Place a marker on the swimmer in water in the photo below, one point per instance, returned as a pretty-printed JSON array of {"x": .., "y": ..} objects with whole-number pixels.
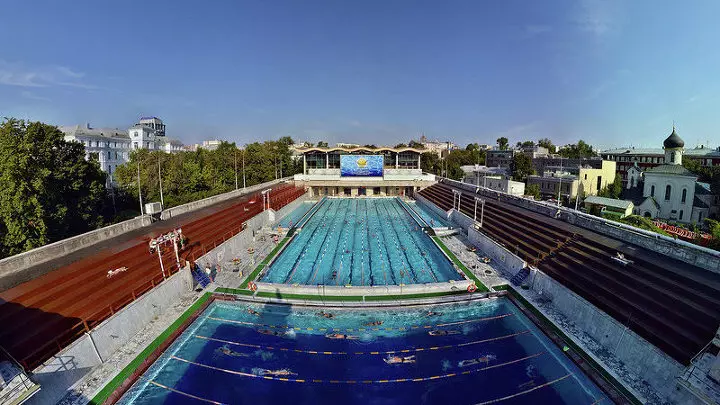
[
  {"x": 373, "y": 323},
  {"x": 341, "y": 336},
  {"x": 281, "y": 372},
  {"x": 253, "y": 312},
  {"x": 443, "y": 332},
  {"x": 324, "y": 314},
  {"x": 229, "y": 352},
  {"x": 272, "y": 332},
  {"x": 433, "y": 313},
  {"x": 471, "y": 362},
  {"x": 399, "y": 359}
]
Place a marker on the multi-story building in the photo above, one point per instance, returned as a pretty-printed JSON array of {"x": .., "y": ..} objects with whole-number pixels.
[
  {"x": 155, "y": 123},
  {"x": 499, "y": 158},
  {"x": 438, "y": 147},
  {"x": 110, "y": 145},
  {"x": 646, "y": 158},
  {"x": 365, "y": 171},
  {"x": 572, "y": 182},
  {"x": 494, "y": 178}
]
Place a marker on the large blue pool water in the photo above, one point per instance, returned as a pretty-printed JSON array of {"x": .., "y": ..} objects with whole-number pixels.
[
  {"x": 492, "y": 354},
  {"x": 293, "y": 217},
  {"x": 429, "y": 217},
  {"x": 361, "y": 242}
]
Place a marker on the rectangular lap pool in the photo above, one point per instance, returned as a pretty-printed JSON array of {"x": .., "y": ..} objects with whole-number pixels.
[
  {"x": 360, "y": 242},
  {"x": 478, "y": 352}
]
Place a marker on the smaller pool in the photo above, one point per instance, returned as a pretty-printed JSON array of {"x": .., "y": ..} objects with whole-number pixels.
[
  {"x": 296, "y": 214},
  {"x": 429, "y": 216}
]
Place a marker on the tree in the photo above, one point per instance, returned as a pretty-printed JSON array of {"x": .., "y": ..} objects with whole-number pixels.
[
  {"x": 714, "y": 230},
  {"x": 308, "y": 144},
  {"x": 372, "y": 146},
  {"x": 502, "y": 143},
  {"x": 525, "y": 144},
  {"x": 579, "y": 150},
  {"x": 322, "y": 144},
  {"x": 49, "y": 191},
  {"x": 612, "y": 190},
  {"x": 521, "y": 167},
  {"x": 533, "y": 190},
  {"x": 415, "y": 144},
  {"x": 400, "y": 145},
  {"x": 547, "y": 143},
  {"x": 430, "y": 162}
]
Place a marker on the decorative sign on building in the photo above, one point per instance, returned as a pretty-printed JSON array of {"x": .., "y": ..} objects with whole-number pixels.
[{"x": 361, "y": 165}]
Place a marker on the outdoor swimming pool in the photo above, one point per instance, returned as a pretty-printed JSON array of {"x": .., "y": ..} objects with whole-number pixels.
[
  {"x": 293, "y": 217},
  {"x": 360, "y": 242},
  {"x": 489, "y": 352},
  {"x": 430, "y": 218}
]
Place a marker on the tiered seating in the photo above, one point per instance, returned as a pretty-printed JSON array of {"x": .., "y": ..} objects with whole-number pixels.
[
  {"x": 670, "y": 303},
  {"x": 45, "y": 314}
]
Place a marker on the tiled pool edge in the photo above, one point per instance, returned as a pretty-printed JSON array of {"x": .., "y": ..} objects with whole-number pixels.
[
  {"x": 115, "y": 388},
  {"x": 606, "y": 381}
]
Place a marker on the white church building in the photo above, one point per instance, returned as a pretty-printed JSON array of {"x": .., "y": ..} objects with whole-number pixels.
[{"x": 670, "y": 191}]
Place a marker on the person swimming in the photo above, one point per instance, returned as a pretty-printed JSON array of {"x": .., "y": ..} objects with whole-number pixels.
[
  {"x": 443, "y": 332},
  {"x": 272, "y": 332},
  {"x": 399, "y": 359},
  {"x": 324, "y": 314},
  {"x": 472, "y": 362},
  {"x": 281, "y": 372},
  {"x": 341, "y": 336},
  {"x": 373, "y": 323},
  {"x": 433, "y": 313},
  {"x": 253, "y": 312},
  {"x": 229, "y": 352}
]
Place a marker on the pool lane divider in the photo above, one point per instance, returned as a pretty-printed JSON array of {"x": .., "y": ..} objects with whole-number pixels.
[
  {"x": 122, "y": 382},
  {"x": 342, "y": 298},
  {"x": 517, "y": 394},
  {"x": 374, "y": 353},
  {"x": 384, "y": 381},
  {"x": 404, "y": 328},
  {"x": 469, "y": 274},
  {"x": 418, "y": 219}
]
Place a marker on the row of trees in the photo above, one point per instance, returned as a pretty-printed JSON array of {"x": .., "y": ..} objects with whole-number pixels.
[
  {"x": 578, "y": 150},
  {"x": 190, "y": 176}
]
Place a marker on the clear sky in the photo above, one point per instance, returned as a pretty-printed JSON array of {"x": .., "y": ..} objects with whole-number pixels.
[{"x": 614, "y": 73}]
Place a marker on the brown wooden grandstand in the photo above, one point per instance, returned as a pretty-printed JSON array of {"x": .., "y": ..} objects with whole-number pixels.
[
  {"x": 670, "y": 303},
  {"x": 43, "y": 315}
]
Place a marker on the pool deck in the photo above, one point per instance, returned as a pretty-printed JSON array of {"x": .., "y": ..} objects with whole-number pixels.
[{"x": 234, "y": 284}]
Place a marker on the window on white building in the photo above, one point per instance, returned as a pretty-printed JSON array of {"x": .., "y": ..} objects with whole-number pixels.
[
  {"x": 652, "y": 191},
  {"x": 668, "y": 190},
  {"x": 672, "y": 157},
  {"x": 681, "y": 215},
  {"x": 684, "y": 196}
]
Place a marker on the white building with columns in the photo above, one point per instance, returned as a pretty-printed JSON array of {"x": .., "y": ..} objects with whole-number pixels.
[
  {"x": 112, "y": 145},
  {"x": 670, "y": 191}
]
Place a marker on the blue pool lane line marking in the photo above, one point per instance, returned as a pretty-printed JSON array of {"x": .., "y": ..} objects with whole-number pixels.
[
  {"x": 361, "y": 329},
  {"x": 396, "y": 380},
  {"x": 320, "y": 352},
  {"x": 184, "y": 393},
  {"x": 517, "y": 394}
]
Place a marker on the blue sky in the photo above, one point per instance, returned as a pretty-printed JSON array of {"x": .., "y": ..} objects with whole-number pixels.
[{"x": 371, "y": 71}]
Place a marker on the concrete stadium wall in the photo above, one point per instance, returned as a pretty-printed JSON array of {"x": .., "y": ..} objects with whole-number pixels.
[
  {"x": 637, "y": 354},
  {"x": 687, "y": 252},
  {"x": 62, "y": 371},
  {"x": 237, "y": 245},
  {"x": 462, "y": 220},
  {"x": 12, "y": 269},
  {"x": 194, "y": 205},
  {"x": 432, "y": 207},
  {"x": 496, "y": 251}
]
